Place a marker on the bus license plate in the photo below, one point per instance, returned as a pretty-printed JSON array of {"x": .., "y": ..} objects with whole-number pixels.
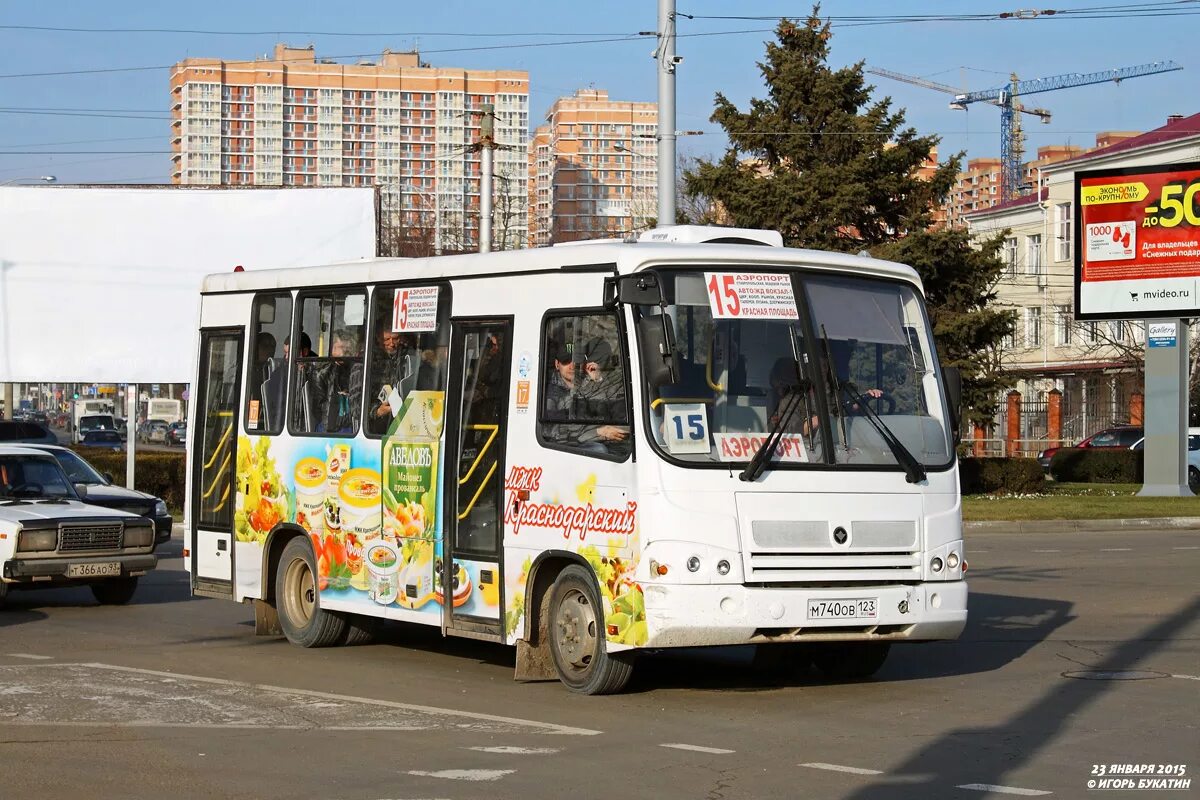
[
  {"x": 852, "y": 608},
  {"x": 103, "y": 569}
]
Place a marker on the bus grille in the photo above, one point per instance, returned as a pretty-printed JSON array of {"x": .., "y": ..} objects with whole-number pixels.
[
  {"x": 77, "y": 538},
  {"x": 805, "y": 552}
]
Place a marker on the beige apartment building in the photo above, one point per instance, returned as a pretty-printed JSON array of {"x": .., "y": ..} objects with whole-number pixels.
[
  {"x": 291, "y": 119},
  {"x": 1096, "y": 365},
  {"x": 593, "y": 169}
]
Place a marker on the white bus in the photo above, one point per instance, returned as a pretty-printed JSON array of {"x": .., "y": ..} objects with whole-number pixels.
[
  {"x": 163, "y": 409},
  {"x": 582, "y": 451}
]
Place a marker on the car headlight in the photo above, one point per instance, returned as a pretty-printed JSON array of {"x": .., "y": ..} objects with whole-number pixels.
[
  {"x": 42, "y": 540},
  {"x": 139, "y": 536},
  {"x": 160, "y": 509}
]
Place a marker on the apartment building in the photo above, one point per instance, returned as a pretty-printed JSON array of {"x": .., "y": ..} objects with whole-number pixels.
[
  {"x": 291, "y": 119},
  {"x": 1096, "y": 365},
  {"x": 593, "y": 169}
]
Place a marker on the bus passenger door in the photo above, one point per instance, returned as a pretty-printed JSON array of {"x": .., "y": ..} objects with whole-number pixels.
[
  {"x": 471, "y": 569},
  {"x": 214, "y": 456}
]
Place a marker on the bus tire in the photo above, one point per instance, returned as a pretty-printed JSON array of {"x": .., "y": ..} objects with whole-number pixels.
[
  {"x": 576, "y": 633},
  {"x": 850, "y": 660},
  {"x": 301, "y": 617},
  {"x": 114, "y": 592},
  {"x": 359, "y": 629}
]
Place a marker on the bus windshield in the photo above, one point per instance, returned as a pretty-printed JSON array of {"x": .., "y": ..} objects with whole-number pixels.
[{"x": 839, "y": 365}]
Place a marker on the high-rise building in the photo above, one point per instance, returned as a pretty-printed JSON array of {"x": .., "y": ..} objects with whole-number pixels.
[
  {"x": 593, "y": 169},
  {"x": 397, "y": 123}
]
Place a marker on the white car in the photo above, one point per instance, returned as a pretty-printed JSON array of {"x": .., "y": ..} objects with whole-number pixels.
[
  {"x": 1193, "y": 456},
  {"x": 50, "y": 537}
]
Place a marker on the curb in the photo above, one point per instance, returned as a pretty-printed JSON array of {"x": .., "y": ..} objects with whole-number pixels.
[{"x": 1082, "y": 525}]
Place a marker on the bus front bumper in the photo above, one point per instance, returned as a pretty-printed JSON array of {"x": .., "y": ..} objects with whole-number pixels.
[{"x": 681, "y": 615}]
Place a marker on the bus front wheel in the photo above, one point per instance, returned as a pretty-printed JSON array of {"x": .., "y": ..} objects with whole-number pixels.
[
  {"x": 850, "y": 660},
  {"x": 576, "y": 634},
  {"x": 300, "y": 614}
]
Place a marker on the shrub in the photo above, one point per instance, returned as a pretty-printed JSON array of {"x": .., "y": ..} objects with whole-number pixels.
[
  {"x": 1097, "y": 465},
  {"x": 1007, "y": 475},
  {"x": 159, "y": 474}
]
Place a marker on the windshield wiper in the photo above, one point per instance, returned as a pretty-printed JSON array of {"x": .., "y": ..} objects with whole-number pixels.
[
  {"x": 913, "y": 471},
  {"x": 766, "y": 451}
]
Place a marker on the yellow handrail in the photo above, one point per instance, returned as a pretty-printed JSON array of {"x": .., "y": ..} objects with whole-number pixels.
[
  {"x": 216, "y": 478},
  {"x": 659, "y": 401},
  {"x": 478, "y": 492},
  {"x": 495, "y": 429},
  {"x": 219, "y": 447},
  {"x": 224, "y": 500},
  {"x": 708, "y": 376}
]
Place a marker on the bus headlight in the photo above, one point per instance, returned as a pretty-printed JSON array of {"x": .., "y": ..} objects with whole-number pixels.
[
  {"x": 723, "y": 567},
  {"x": 952, "y": 561},
  {"x": 935, "y": 565},
  {"x": 693, "y": 564}
]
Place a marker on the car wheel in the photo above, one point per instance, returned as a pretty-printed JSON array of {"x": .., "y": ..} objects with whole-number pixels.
[
  {"x": 577, "y": 640},
  {"x": 301, "y": 617},
  {"x": 1193, "y": 479},
  {"x": 115, "y": 592},
  {"x": 850, "y": 660}
]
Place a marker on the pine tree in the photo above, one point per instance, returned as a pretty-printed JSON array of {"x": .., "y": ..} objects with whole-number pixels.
[{"x": 830, "y": 168}]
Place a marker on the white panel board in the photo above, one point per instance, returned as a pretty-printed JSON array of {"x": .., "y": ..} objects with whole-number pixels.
[{"x": 101, "y": 285}]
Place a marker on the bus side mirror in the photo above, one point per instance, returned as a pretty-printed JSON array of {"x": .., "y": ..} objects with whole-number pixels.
[
  {"x": 642, "y": 289},
  {"x": 660, "y": 362},
  {"x": 952, "y": 377}
]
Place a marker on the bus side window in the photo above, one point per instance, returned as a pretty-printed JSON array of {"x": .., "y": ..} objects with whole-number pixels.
[
  {"x": 402, "y": 361},
  {"x": 327, "y": 379},
  {"x": 584, "y": 405},
  {"x": 266, "y": 375}
]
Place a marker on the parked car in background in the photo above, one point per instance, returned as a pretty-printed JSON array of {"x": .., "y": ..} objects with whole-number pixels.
[
  {"x": 153, "y": 431},
  {"x": 177, "y": 433},
  {"x": 101, "y": 491},
  {"x": 48, "y": 537},
  {"x": 1193, "y": 457},
  {"x": 107, "y": 438},
  {"x": 13, "y": 431},
  {"x": 1116, "y": 436}
]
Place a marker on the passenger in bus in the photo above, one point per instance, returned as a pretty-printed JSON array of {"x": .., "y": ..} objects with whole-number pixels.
[
  {"x": 580, "y": 390},
  {"x": 305, "y": 346},
  {"x": 393, "y": 369},
  {"x": 337, "y": 386}
]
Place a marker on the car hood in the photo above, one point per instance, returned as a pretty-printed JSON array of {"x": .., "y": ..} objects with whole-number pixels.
[
  {"x": 33, "y": 512},
  {"x": 121, "y": 498}
]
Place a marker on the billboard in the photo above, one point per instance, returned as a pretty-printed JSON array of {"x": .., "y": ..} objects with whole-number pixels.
[
  {"x": 1137, "y": 231},
  {"x": 102, "y": 284}
]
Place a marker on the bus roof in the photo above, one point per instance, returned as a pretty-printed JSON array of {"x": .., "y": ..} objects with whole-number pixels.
[{"x": 625, "y": 256}]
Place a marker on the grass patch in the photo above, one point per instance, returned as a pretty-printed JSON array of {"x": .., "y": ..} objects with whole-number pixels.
[{"x": 1078, "y": 501}]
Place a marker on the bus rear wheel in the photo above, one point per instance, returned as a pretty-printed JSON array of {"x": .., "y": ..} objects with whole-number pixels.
[
  {"x": 850, "y": 660},
  {"x": 300, "y": 614},
  {"x": 576, "y": 633}
]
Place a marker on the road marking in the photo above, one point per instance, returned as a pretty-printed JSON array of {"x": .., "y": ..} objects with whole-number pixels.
[
  {"x": 548, "y": 727},
  {"x": 698, "y": 748},
  {"x": 1047, "y": 551},
  {"x": 1115, "y": 549},
  {"x": 517, "y": 751},
  {"x": 1188, "y": 677},
  {"x": 987, "y": 787},
  {"x": 464, "y": 774},
  {"x": 30, "y": 656},
  {"x": 1190, "y": 547},
  {"x": 840, "y": 768}
]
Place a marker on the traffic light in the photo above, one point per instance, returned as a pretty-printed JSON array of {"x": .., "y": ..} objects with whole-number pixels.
[{"x": 75, "y": 396}]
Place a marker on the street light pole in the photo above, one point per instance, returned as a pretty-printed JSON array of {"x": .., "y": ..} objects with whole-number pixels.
[{"x": 667, "y": 61}]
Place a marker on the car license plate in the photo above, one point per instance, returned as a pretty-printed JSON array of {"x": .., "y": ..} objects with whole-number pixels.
[
  {"x": 101, "y": 569},
  {"x": 851, "y": 608}
]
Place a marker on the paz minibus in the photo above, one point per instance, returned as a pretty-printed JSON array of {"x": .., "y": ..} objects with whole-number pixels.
[{"x": 697, "y": 438}]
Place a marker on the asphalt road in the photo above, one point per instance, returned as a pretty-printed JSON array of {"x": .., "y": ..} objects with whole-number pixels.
[{"x": 175, "y": 697}]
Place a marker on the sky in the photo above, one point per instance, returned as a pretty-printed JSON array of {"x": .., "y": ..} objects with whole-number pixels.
[{"x": 43, "y": 130}]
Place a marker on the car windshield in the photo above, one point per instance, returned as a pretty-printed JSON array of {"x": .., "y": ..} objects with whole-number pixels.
[
  {"x": 78, "y": 470},
  {"x": 750, "y": 360},
  {"x": 95, "y": 423},
  {"x": 29, "y": 477}
]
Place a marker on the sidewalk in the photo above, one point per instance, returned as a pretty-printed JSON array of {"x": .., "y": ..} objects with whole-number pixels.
[{"x": 1070, "y": 525}]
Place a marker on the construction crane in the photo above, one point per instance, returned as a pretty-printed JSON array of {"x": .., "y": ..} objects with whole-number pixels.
[{"x": 1006, "y": 98}]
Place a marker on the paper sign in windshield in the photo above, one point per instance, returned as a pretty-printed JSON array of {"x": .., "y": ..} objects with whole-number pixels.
[
  {"x": 743, "y": 446},
  {"x": 414, "y": 309},
  {"x": 750, "y": 295}
]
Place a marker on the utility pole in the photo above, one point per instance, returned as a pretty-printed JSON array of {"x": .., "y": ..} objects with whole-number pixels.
[
  {"x": 667, "y": 60},
  {"x": 487, "y": 147}
]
